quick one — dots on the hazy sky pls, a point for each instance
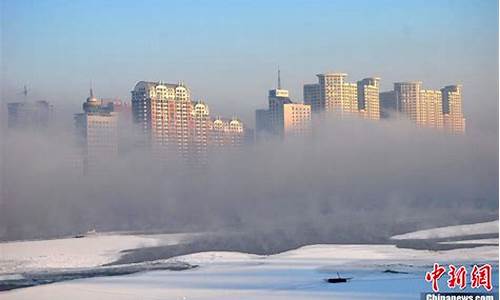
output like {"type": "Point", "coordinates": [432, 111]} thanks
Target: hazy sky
{"type": "Point", "coordinates": [228, 51]}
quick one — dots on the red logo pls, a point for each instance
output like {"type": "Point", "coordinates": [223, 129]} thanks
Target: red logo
{"type": "Point", "coordinates": [434, 276]}
{"type": "Point", "coordinates": [480, 276]}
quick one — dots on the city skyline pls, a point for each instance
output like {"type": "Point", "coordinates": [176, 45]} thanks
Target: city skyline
{"type": "Point", "coordinates": [114, 61]}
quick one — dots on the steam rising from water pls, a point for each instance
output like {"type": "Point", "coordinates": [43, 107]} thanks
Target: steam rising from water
{"type": "Point", "coordinates": [354, 180]}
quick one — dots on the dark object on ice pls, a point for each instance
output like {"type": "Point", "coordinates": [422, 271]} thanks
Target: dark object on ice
{"type": "Point", "coordinates": [79, 236]}
{"type": "Point", "coordinates": [394, 272]}
{"type": "Point", "coordinates": [338, 279]}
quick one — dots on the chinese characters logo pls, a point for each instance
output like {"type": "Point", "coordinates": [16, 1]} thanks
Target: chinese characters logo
{"type": "Point", "coordinates": [480, 276]}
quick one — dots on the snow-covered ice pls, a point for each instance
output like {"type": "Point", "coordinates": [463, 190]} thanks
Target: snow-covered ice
{"type": "Point", "coordinates": [294, 274]}
{"type": "Point", "coordinates": [90, 251]}
{"type": "Point", "coordinates": [451, 231]}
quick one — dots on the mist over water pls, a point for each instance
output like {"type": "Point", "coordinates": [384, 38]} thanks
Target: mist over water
{"type": "Point", "coordinates": [352, 181]}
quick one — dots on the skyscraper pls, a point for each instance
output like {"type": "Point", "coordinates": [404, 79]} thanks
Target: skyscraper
{"type": "Point", "coordinates": [312, 97]}
{"type": "Point", "coordinates": [431, 109]}
{"type": "Point", "coordinates": [338, 95]}
{"type": "Point", "coordinates": [199, 133]}
{"type": "Point", "coordinates": [453, 118]}
{"type": "Point", "coordinates": [277, 98]}
{"type": "Point", "coordinates": [408, 96]}
{"type": "Point", "coordinates": [97, 134]}
{"type": "Point", "coordinates": [368, 98]}
{"type": "Point", "coordinates": [388, 104]}
{"type": "Point", "coordinates": [283, 116]}
{"type": "Point", "coordinates": [297, 119]}
{"type": "Point", "coordinates": [171, 122]}
{"type": "Point", "coordinates": [29, 115]}
{"type": "Point", "coordinates": [226, 134]}
{"type": "Point", "coordinates": [263, 127]}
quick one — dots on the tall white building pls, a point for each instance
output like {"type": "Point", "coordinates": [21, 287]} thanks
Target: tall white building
{"type": "Point", "coordinates": [408, 98]}
{"type": "Point", "coordinates": [283, 118]}
{"type": "Point", "coordinates": [297, 119]}
{"type": "Point", "coordinates": [97, 134]}
{"type": "Point", "coordinates": [431, 109]}
{"type": "Point", "coordinates": [453, 117]}
{"type": "Point", "coordinates": [338, 95]}
{"type": "Point", "coordinates": [369, 98]}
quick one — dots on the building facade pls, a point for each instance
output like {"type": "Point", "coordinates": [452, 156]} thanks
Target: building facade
{"type": "Point", "coordinates": [369, 98]}
{"type": "Point", "coordinates": [277, 99]}
{"type": "Point", "coordinates": [26, 115]}
{"type": "Point", "coordinates": [226, 134]}
{"type": "Point", "coordinates": [388, 104]}
{"type": "Point", "coordinates": [172, 124]}
{"type": "Point", "coordinates": [408, 96]}
{"type": "Point", "coordinates": [283, 117]}
{"type": "Point", "coordinates": [97, 135]}
{"type": "Point", "coordinates": [453, 118]}
{"type": "Point", "coordinates": [338, 95]}
{"type": "Point", "coordinates": [297, 119]}
{"type": "Point", "coordinates": [431, 109]}
{"type": "Point", "coordinates": [312, 97]}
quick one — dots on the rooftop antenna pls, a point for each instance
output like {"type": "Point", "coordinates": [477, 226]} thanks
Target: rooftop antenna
{"type": "Point", "coordinates": [91, 91]}
{"type": "Point", "coordinates": [279, 78]}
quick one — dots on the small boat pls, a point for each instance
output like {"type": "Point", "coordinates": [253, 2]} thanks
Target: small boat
{"type": "Point", "coordinates": [338, 279]}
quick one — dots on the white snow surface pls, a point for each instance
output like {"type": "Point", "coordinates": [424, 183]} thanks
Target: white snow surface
{"type": "Point", "coordinates": [479, 241]}
{"type": "Point", "coordinates": [295, 274]}
{"type": "Point", "coordinates": [451, 231]}
{"type": "Point", "coordinates": [90, 251]}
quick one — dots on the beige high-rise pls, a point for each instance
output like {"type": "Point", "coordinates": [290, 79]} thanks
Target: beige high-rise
{"type": "Point", "coordinates": [97, 135]}
{"type": "Point", "coordinates": [297, 119]}
{"type": "Point", "coordinates": [336, 94]}
{"type": "Point", "coordinates": [453, 117]}
{"type": "Point", "coordinates": [369, 98]}
{"type": "Point", "coordinates": [408, 97]}
{"type": "Point", "coordinates": [431, 109]}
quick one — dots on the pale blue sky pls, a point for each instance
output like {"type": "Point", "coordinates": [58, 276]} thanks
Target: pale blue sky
{"type": "Point", "coordinates": [228, 51]}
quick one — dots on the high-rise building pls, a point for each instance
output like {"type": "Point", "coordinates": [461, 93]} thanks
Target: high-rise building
{"type": "Point", "coordinates": [388, 104]}
{"type": "Point", "coordinates": [408, 96]}
{"type": "Point", "coordinates": [275, 117]}
{"type": "Point", "coordinates": [200, 132]}
{"type": "Point", "coordinates": [453, 117]}
{"type": "Point", "coordinates": [29, 115]}
{"type": "Point", "coordinates": [297, 119]}
{"type": "Point", "coordinates": [263, 127]}
{"type": "Point", "coordinates": [171, 122]}
{"type": "Point", "coordinates": [277, 98]}
{"type": "Point", "coordinates": [97, 134]}
{"type": "Point", "coordinates": [431, 109]}
{"type": "Point", "coordinates": [312, 97]}
{"type": "Point", "coordinates": [338, 95]}
{"type": "Point", "coordinates": [369, 98]}
{"type": "Point", "coordinates": [226, 134]}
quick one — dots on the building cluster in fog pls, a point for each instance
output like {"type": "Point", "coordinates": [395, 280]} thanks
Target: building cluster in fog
{"type": "Point", "coordinates": [174, 125]}
{"type": "Point", "coordinates": [164, 119]}
{"type": "Point", "coordinates": [29, 115]}
{"type": "Point", "coordinates": [283, 117]}
{"type": "Point", "coordinates": [333, 95]}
